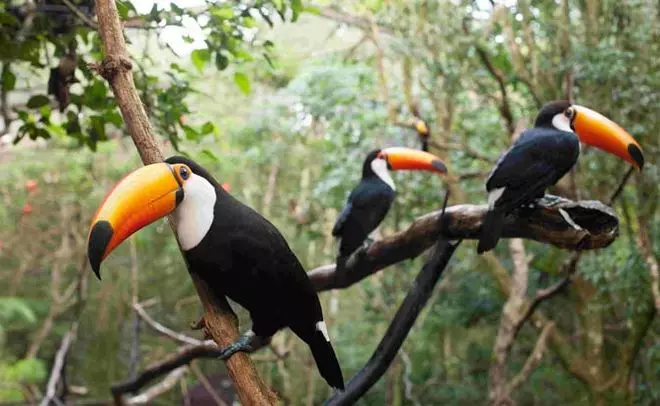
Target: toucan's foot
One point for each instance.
(569, 220)
(248, 342)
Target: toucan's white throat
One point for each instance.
(194, 215)
(379, 166)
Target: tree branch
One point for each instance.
(545, 224)
(183, 356)
(167, 384)
(182, 338)
(533, 360)
(58, 366)
(220, 321)
(400, 326)
(80, 15)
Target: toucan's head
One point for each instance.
(379, 161)
(146, 195)
(592, 128)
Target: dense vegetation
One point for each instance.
(283, 114)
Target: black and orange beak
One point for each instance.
(139, 199)
(599, 131)
(399, 158)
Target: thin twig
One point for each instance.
(80, 15)
(533, 360)
(58, 365)
(619, 189)
(182, 338)
(206, 384)
(164, 386)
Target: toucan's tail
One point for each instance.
(324, 355)
(491, 229)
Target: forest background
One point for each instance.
(281, 101)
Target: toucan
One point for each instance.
(423, 132)
(544, 154)
(370, 201)
(230, 246)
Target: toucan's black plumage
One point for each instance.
(544, 154)
(370, 201)
(366, 207)
(244, 257)
(234, 249)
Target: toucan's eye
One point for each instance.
(184, 172)
(570, 113)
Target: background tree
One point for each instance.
(287, 131)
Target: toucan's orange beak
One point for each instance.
(599, 131)
(399, 158)
(139, 199)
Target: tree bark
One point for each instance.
(599, 229)
(219, 319)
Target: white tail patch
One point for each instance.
(494, 195)
(320, 326)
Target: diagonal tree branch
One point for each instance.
(399, 327)
(182, 338)
(533, 360)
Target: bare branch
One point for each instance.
(183, 356)
(58, 365)
(207, 385)
(182, 338)
(533, 360)
(399, 327)
(619, 188)
(166, 385)
(80, 15)
(545, 224)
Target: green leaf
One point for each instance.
(296, 8)
(38, 101)
(221, 61)
(224, 13)
(207, 128)
(191, 133)
(199, 58)
(242, 82)
(210, 154)
(123, 8)
(8, 80)
(176, 9)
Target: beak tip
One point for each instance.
(637, 155)
(99, 238)
(439, 166)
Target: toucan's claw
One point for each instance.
(569, 220)
(248, 342)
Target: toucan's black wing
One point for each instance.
(367, 206)
(537, 160)
(343, 216)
